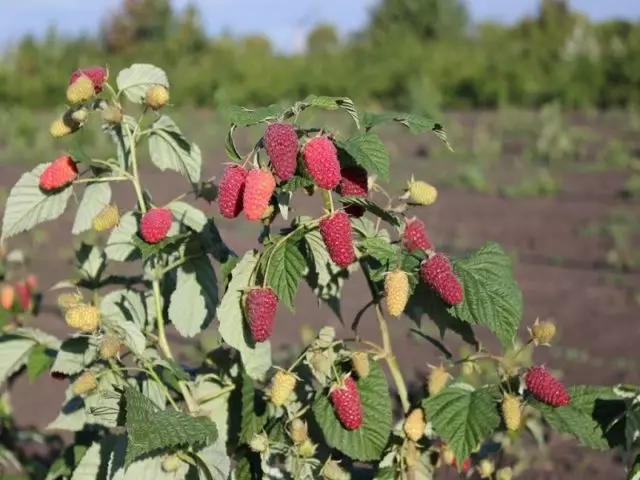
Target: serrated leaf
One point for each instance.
(296, 183)
(244, 117)
(124, 314)
(74, 355)
(27, 206)
(193, 303)
(254, 416)
(154, 392)
(491, 294)
(89, 466)
(188, 215)
(286, 268)
(214, 404)
(415, 123)
(169, 150)
(96, 196)
(333, 103)
(90, 262)
(369, 441)
(216, 460)
(39, 361)
(138, 78)
(230, 146)
(380, 249)
(14, 352)
(230, 314)
(373, 208)
(463, 417)
(72, 417)
(588, 416)
(120, 245)
(151, 430)
(369, 152)
(102, 406)
(121, 139)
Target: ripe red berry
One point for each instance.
(354, 183)
(321, 158)
(261, 306)
(258, 189)
(281, 144)
(437, 273)
(545, 387)
(98, 75)
(346, 402)
(231, 191)
(60, 173)
(466, 465)
(23, 292)
(337, 236)
(414, 236)
(155, 224)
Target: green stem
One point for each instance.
(327, 198)
(101, 179)
(135, 180)
(178, 263)
(219, 393)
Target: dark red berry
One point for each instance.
(414, 236)
(437, 273)
(231, 191)
(261, 306)
(346, 403)
(155, 224)
(545, 387)
(321, 158)
(337, 235)
(281, 144)
(354, 183)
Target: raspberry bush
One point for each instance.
(340, 408)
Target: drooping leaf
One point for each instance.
(28, 206)
(230, 146)
(214, 399)
(415, 123)
(188, 215)
(368, 442)
(89, 465)
(463, 417)
(39, 361)
(123, 314)
(73, 415)
(90, 262)
(14, 352)
(333, 103)
(286, 269)
(74, 355)
(135, 80)
(102, 405)
(368, 151)
(96, 196)
(373, 208)
(245, 117)
(170, 150)
(254, 416)
(120, 245)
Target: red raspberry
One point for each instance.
(281, 144)
(414, 236)
(231, 191)
(466, 465)
(354, 183)
(60, 173)
(321, 158)
(155, 224)
(437, 273)
(23, 291)
(98, 76)
(545, 387)
(337, 236)
(258, 189)
(261, 305)
(346, 402)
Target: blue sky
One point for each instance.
(279, 19)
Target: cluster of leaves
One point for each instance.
(135, 411)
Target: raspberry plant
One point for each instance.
(136, 412)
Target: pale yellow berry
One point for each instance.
(333, 471)
(108, 218)
(511, 413)
(170, 463)
(112, 114)
(59, 129)
(437, 380)
(542, 332)
(396, 289)
(109, 347)
(486, 468)
(360, 362)
(81, 90)
(505, 473)
(282, 387)
(157, 97)
(83, 317)
(307, 449)
(299, 431)
(84, 384)
(68, 299)
(421, 192)
(414, 425)
(259, 443)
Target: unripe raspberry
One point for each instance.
(110, 347)
(545, 387)
(511, 412)
(157, 97)
(81, 90)
(59, 128)
(269, 215)
(299, 431)
(437, 380)
(25, 295)
(259, 187)
(7, 297)
(396, 290)
(231, 191)
(84, 384)
(261, 306)
(281, 144)
(282, 387)
(414, 425)
(414, 236)
(437, 273)
(259, 443)
(360, 362)
(345, 399)
(68, 300)
(97, 75)
(542, 332)
(155, 224)
(307, 449)
(320, 363)
(78, 115)
(60, 173)
(84, 318)
(333, 471)
(170, 463)
(108, 218)
(337, 235)
(354, 182)
(421, 192)
(112, 114)
(486, 468)
(505, 473)
(447, 455)
(321, 158)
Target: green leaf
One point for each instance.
(415, 123)
(123, 313)
(369, 152)
(102, 406)
(39, 361)
(245, 117)
(74, 355)
(188, 215)
(373, 208)
(120, 245)
(286, 268)
(152, 430)
(230, 146)
(121, 140)
(193, 303)
(214, 404)
(90, 262)
(463, 417)
(380, 249)
(89, 465)
(256, 358)
(28, 206)
(369, 441)
(138, 78)
(634, 473)
(169, 150)
(14, 352)
(72, 417)
(170, 244)
(334, 103)
(296, 183)
(254, 416)
(588, 416)
(491, 294)
(96, 196)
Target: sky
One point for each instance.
(281, 20)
